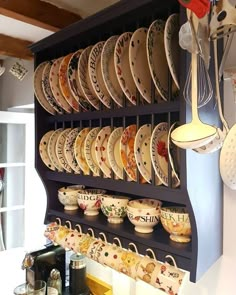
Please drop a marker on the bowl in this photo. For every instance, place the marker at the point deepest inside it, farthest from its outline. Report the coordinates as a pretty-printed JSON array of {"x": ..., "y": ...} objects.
[
  {"x": 175, "y": 221},
  {"x": 68, "y": 196},
  {"x": 114, "y": 207},
  {"x": 144, "y": 214},
  {"x": 89, "y": 200}
]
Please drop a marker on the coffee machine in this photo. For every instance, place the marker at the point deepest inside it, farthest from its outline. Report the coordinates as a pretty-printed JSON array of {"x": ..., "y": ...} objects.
[{"x": 39, "y": 263}]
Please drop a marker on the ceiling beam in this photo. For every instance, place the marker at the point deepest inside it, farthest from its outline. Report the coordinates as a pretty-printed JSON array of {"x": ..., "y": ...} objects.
[
  {"x": 15, "y": 47},
  {"x": 38, "y": 13}
]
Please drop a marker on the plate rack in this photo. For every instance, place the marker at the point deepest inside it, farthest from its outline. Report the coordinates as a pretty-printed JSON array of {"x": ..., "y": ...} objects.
[{"x": 197, "y": 174}]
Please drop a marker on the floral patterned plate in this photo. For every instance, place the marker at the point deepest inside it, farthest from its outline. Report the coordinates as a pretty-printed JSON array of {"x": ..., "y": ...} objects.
[
  {"x": 72, "y": 75},
  {"x": 159, "y": 154},
  {"x": 51, "y": 149},
  {"x": 38, "y": 89},
  {"x": 79, "y": 150},
  {"x": 63, "y": 83},
  {"x": 43, "y": 150},
  {"x": 69, "y": 150},
  {"x": 95, "y": 74},
  {"x": 101, "y": 150},
  {"x": 84, "y": 81},
  {"x": 142, "y": 153},
  {"x": 113, "y": 152},
  {"x": 122, "y": 67},
  {"x": 108, "y": 71},
  {"x": 89, "y": 151},
  {"x": 54, "y": 83}
]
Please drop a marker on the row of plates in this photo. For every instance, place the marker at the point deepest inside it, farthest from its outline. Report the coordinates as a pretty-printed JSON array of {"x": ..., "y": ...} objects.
[
  {"x": 110, "y": 150},
  {"x": 112, "y": 69}
]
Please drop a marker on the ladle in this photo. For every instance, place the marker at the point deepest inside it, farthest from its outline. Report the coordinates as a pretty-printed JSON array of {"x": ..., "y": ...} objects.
[{"x": 196, "y": 133}]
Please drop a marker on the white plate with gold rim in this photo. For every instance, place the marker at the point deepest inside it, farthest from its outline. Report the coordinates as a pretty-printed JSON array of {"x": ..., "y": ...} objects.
[
  {"x": 69, "y": 150},
  {"x": 43, "y": 150},
  {"x": 89, "y": 151},
  {"x": 72, "y": 76},
  {"x": 142, "y": 153},
  {"x": 51, "y": 149},
  {"x": 54, "y": 83},
  {"x": 122, "y": 67},
  {"x": 83, "y": 77},
  {"x": 38, "y": 89},
  {"x": 159, "y": 154},
  {"x": 79, "y": 150},
  {"x": 113, "y": 152},
  {"x": 63, "y": 83},
  {"x": 108, "y": 71},
  {"x": 60, "y": 150},
  {"x": 95, "y": 74},
  {"x": 101, "y": 150}
]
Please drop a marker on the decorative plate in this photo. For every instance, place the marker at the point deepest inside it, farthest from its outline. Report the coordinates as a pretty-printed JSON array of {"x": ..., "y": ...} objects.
[
  {"x": 159, "y": 153},
  {"x": 139, "y": 64},
  {"x": 69, "y": 150},
  {"x": 72, "y": 75},
  {"x": 95, "y": 74},
  {"x": 157, "y": 58},
  {"x": 108, "y": 71},
  {"x": 142, "y": 153},
  {"x": 38, "y": 90},
  {"x": 47, "y": 89},
  {"x": 54, "y": 83},
  {"x": 127, "y": 152},
  {"x": 84, "y": 81},
  {"x": 172, "y": 48},
  {"x": 60, "y": 150},
  {"x": 122, "y": 68},
  {"x": 101, "y": 150},
  {"x": 63, "y": 83},
  {"x": 89, "y": 150},
  {"x": 79, "y": 150},
  {"x": 43, "y": 150},
  {"x": 51, "y": 149},
  {"x": 113, "y": 152}
]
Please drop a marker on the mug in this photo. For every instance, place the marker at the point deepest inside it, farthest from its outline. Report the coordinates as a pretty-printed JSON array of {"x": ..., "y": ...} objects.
[
  {"x": 73, "y": 238},
  {"x": 95, "y": 248},
  {"x": 38, "y": 288}
]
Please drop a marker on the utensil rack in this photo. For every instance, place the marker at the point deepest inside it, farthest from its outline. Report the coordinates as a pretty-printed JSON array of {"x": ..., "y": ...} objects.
[{"x": 200, "y": 190}]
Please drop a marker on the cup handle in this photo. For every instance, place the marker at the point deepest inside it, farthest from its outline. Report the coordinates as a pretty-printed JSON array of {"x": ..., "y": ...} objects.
[
  {"x": 148, "y": 251},
  {"x": 78, "y": 228},
  {"x": 58, "y": 220},
  {"x": 90, "y": 232},
  {"x": 172, "y": 259},
  {"x": 132, "y": 245},
  {"x": 103, "y": 237},
  {"x": 69, "y": 224},
  {"x": 118, "y": 241}
]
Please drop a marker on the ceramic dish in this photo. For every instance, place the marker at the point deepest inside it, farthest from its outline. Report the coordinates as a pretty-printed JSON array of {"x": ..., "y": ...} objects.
[
  {"x": 72, "y": 76},
  {"x": 47, "y": 89},
  {"x": 142, "y": 153},
  {"x": 89, "y": 151},
  {"x": 122, "y": 68},
  {"x": 60, "y": 150},
  {"x": 108, "y": 71},
  {"x": 54, "y": 83},
  {"x": 157, "y": 57},
  {"x": 84, "y": 81},
  {"x": 139, "y": 64},
  {"x": 127, "y": 152},
  {"x": 63, "y": 83},
  {"x": 159, "y": 154},
  {"x": 38, "y": 90},
  {"x": 51, "y": 149},
  {"x": 113, "y": 152},
  {"x": 172, "y": 48},
  {"x": 43, "y": 150},
  {"x": 69, "y": 150},
  {"x": 95, "y": 74},
  {"x": 79, "y": 150},
  {"x": 101, "y": 150}
]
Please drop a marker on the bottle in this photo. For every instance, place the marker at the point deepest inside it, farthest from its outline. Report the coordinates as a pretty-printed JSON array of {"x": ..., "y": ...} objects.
[{"x": 54, "y": 284}]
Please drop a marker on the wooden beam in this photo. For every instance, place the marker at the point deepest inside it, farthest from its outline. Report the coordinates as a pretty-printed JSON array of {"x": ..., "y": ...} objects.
[
  {"x": 15, "y": 47},
  {"x": 38, "y": 13}
]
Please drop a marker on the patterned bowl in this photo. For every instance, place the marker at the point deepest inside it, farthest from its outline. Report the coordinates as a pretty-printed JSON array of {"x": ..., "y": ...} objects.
[
  {"x": 114, "y": 207},
  {"x": 175, "y": 221},
  {"x": 89, "y": 200},
  {"x": 68, "y": 196},
  {"x": 144, "y": 214}
]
